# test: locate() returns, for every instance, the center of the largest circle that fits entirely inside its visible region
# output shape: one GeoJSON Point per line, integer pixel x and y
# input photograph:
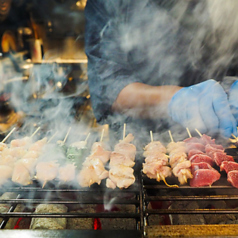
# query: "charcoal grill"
{"type": "Point", "coordinates": [161, 194]}
{"type": "Point", "coordinates": [34, 194]}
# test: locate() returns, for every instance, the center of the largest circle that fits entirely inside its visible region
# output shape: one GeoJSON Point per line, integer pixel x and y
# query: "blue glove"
{"type": "Point", "coordinates": [233, 99]}
{"type": "Point", "coordinates": [203, 106]}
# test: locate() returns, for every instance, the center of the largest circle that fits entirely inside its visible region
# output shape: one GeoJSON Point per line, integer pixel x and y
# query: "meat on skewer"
{"type": "Point", "coordinates": [121, 173]}
{"type": "Point", "coordinates": [156, 161]}
{"type": "Point", "coordinates": [178, 160]}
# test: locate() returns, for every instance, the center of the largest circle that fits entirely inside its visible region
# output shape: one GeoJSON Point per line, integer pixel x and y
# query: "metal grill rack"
{"type": "Point", "coordinates": [34, 194]}
{"type": "Point", "coordinates": [176, 203]}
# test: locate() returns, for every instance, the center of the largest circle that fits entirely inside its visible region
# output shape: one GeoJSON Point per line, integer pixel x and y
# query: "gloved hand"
{"type": "Point", "coordinates": [233, 99]}
{"type": "Point", "coordinates": [203, 106]}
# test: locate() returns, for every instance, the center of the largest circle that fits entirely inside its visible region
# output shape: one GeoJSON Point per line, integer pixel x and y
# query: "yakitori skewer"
{"type": "Point", "coordinates": [182, 161]}
{"type": "Point", "coordinates": [160, 176]}
{"type": "Point", "coordinates": [61, 143]}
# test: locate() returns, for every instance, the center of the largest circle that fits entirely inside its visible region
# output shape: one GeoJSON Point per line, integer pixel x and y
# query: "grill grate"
{"type": "Point", "coordinates": [68, 196]}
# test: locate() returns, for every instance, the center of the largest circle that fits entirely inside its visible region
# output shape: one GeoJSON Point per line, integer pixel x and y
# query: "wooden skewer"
{"type": "Point", "coordinates": [171, 137]}
{"type": "Point", "coordinates": [234, 136]}
{"type": "Point", "coordinates": [199, 133]}
{"type": "Point", "coordinates": [6, 137]}
{"type": "Point", "coordinates": [189, 134]}
{"type": "Point", "coordinates": [52, 137]}
{"type": "Point", "coordinates": [151, 136]}
{"type": "Point", "coordinates": [87, 137]}
{"type": "Point", "coordinates": [102, 135]}
{"type": "Point", "coordinates": [44, 183]}
{"type": "Point", "coordinates": [35, 131]}
{"type": "Point", "coordinates": [124, 131]}
{"type": "Point", "coordinates": [67, 134]}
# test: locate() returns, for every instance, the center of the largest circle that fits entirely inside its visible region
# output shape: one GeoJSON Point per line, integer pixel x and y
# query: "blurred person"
{"type": "Point", "coordinates": [161, 63]}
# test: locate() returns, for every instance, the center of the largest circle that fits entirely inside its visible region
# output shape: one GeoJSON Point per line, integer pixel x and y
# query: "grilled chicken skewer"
{"type": "Point", "coordinates": [178, 160]}
{"type": "Point", "coordinates": [93, 170]}
{"type": "Point", "coordinates": [122, 159]}
{"type": "Point", "coordinates": [156, 161]}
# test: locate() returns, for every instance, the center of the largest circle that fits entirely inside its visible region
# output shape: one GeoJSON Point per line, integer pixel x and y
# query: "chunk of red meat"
{"type": "Point", "coordinates": [195, 146]}
{"type": "Point", "coordinates": [228, 166]}
{"type": "Point", "coordinates": [194, 152]}
{"type": "Point", "coordinates": [205, 139]}
{"type": "Point", "coordinates": [204, 177]}
{"type": "Point", "coordinates": [211, 150]}
{"type": "Point", "coordinates": [201, 165]}
{"type": "Point", "coordinates": [219, 157]}
{"type": "Point", "coordinates": [193, 140]}
{"type": "Point", "coordinates": [232, 177]}
{"type": "Point", "coordinates": [220, 147]}
{"type": "Point", "coordinates": [201, 158]}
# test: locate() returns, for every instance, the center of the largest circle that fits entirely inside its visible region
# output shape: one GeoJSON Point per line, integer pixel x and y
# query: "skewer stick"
{"type": "Point", "coordinates": [151, 136]}
{"type": "Point", "coordinates": [67, 134]}
{"type": "Point", "coordinates": [35, 131]}
{"type": "Point", "coordinates": [6, 137]}
{"type": "Point", "coordinates": [102, 135]}
{"type": "Point", "coordinates": [51, 138]}
{"type": "Point", "coordinates": [87, 137]}
{"type": "Point", "coordinates": [234, 136]}
{"type": "Point", "coordinates": [44, 183]}
{"type": "Point", "coordinates": [171, 137]}
{"type": "Point", "coordinates": [189, 134]}
{"type": "Point", "coordinates": [124, 131]}
{"type": "Point", "coordinates": [199, 133]}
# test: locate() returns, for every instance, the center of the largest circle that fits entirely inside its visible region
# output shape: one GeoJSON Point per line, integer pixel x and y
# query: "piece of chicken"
{"type": "Point", "coordinates": [157, 157]}
{"type": "Point", "coordinates": [3, 146]}
{"type": "Point", "coordinates": [8, 160]}
{"type": "Point", "coordinates": [183, 171]}
{"type": "Point", "coordinates": [21, 175]}
{"type": "Point", "coordinates": [174, 145]}
{"type": "Point", "coordinates": [93, 171]}
{"type": "Point", "coordinates": [122, 176]}
{"type": "Point", "coordinates": [22, 142]}
{"type": "Point", "coordinates": [177, 158]}
{"type": "Point", "coordinates": [120, 159]}
{"type": "Point", "coordinates": [17, 152]}
{"type": "Point", "coordinates": [29, 163]}
{"type": "Point", "coordinates": [155, 170]}
{"type": "Point", "coordinates": [5, 173]}
{"type": "Point", "coordinates": [46, 171]}
{"type": "Point", "coordinates": [126, 149]}
{"type": "Point", "coordinates": [38, 145]}
{"type": "Point", "coordinates": [101, 154]}
{"type": "Point", "coordinates": [155, 146]}
{"type": "Point", "coordinates": [67, 173]}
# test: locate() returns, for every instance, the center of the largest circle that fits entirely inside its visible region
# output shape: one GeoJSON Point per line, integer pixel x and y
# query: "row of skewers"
{"type": "Point", "coordinates": [196, 160]}
{"type": "Point", "coordinates": [23, 160]}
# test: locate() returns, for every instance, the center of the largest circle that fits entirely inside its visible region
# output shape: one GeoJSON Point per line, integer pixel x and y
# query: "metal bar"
{"type": "Point", "coordinates": [71, 215]}
{"type": "Point", "coordinates": [142, 208]}
{"type": "Point", "coordinates": [83, 201]}
{"type": "Point", "coordinates": [191, 211]}
{"type": "Point", "coordinates": [190, 198]}
{"type": "Point", "coordinates": [37, 189]}
{"type": "Point", "coordinates": [154, 187]}
{"type": "Point", "coordinates": [11, 209]}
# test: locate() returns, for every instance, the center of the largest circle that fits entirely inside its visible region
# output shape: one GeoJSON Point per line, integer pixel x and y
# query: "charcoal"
{"type": "Point", "coordinates": [182, 219]}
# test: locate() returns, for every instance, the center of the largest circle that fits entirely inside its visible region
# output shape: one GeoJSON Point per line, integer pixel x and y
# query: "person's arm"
{"type": "Point", "coordinates": [109, 69]}
{"type": "Point", "coordinates": [144, 101]}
